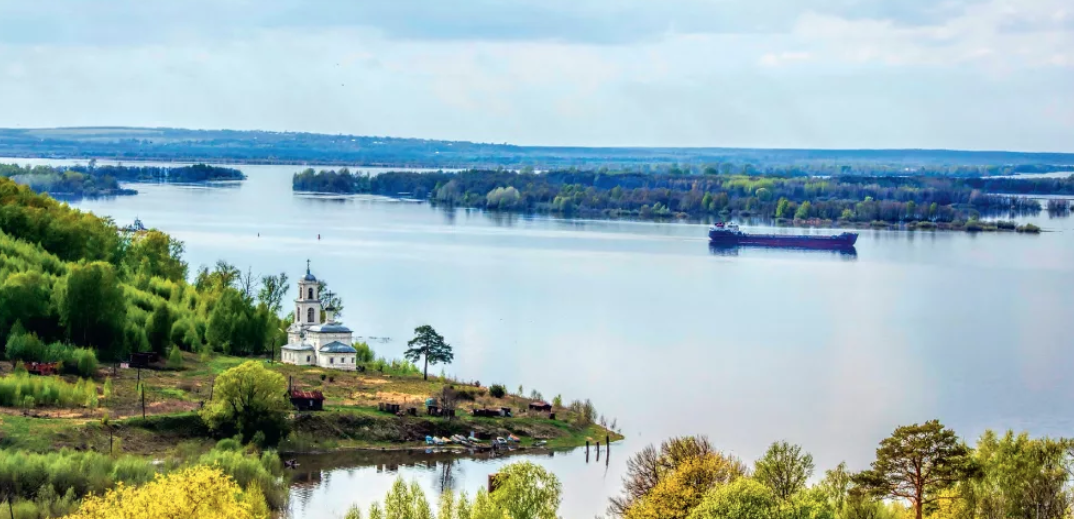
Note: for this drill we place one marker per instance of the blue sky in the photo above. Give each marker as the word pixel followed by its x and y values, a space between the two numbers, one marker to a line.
pixel 967 74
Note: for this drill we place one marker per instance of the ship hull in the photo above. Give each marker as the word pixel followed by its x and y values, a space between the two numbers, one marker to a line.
pixel 841 241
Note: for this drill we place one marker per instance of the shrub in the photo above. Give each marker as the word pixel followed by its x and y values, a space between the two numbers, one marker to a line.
pixel 1005 225
pixel 498 391
pixel 175 358
pixel 45 391
pixel 1029 228
pixel 81 361
pixel 194 493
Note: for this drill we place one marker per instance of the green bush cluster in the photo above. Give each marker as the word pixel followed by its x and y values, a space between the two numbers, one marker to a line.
pixel 27 347
pixel 22 390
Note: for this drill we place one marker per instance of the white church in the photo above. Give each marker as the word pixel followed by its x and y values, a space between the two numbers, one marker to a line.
pixel 311 342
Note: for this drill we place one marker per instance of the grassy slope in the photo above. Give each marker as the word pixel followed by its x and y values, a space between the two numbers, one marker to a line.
pixel 350 419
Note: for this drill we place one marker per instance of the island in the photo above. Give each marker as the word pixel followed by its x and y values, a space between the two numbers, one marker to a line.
pixel 908 202
pixel 92 181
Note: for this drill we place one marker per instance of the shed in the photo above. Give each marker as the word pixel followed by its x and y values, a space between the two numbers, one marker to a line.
pixel 307 400
pixel 388 407
pixel 42 368
pixel 143 359
pixel 541 406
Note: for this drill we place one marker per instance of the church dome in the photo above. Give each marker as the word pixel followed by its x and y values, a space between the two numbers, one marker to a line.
pixel 330 328
pixel 309 277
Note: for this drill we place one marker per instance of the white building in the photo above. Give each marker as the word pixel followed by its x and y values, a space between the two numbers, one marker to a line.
pixel 311 342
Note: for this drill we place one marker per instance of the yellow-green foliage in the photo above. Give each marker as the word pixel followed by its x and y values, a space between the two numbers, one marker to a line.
pixel 45 391
pixel 194 493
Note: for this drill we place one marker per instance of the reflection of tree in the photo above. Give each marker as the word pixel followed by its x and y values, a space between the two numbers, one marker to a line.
pixel 446 475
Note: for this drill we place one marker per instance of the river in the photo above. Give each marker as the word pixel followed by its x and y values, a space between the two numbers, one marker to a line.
pixel 829 351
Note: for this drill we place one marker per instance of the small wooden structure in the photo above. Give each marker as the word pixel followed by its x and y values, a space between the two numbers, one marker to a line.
pixel 143 359
pixel 388 407
pixel 541 406
pixel 499 412
pixel 434 410
pixel 42 368
pixel 307 400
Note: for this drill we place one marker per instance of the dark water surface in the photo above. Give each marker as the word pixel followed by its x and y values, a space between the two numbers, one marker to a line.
pixel 749 346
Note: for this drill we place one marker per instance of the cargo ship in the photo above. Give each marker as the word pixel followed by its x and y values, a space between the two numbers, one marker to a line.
pixel 729 234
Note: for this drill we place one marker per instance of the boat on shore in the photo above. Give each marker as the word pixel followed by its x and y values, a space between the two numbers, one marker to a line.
pixel 729 234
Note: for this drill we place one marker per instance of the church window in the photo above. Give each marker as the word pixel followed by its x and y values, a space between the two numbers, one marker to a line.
pixel 307 358
pixel 331 360
pixel 310 293
pixel 309 315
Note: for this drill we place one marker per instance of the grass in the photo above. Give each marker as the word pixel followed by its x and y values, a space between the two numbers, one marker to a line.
pixel 350 420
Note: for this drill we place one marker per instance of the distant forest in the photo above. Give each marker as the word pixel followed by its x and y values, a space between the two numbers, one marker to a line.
pixel 258 147
pixel 848 198
pixel 95 181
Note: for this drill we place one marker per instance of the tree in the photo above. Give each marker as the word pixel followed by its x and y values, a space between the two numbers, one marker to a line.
pixel 916 463
pixel 1020 477
pixel 781 207
pixel 527 491
pixel 681 490
pixel 92 306
pixel 784 469
pixel 156 254
pixel 330 299
pixel 651 465
pixel 200 492
pixel 246 399
pixel 430 345
pixel 743 498
pixel 273 290
pixel 804 211
pixel 158 329
pixel 836 485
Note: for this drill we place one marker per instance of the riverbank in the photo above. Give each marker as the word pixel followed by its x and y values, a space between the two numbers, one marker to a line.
pixel 350 419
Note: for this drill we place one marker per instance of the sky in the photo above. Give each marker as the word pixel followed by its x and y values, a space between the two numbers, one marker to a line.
pixel 961 74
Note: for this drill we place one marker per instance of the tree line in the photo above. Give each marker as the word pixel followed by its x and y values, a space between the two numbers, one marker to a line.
pixel 921 470
pixel 569 192
pixel 72 278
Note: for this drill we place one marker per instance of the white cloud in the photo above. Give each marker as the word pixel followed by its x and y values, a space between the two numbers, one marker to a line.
pixel 975 75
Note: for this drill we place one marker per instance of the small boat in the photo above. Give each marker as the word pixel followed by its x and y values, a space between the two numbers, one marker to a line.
pixel 458 438
pixel 500 440
pixel 438 441
pixel 428 440
pixel 541 443
pixel 291 464
pixel 513 438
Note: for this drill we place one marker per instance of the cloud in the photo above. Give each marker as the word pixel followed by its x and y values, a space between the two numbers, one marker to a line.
pixel 998 35
pixel 819 73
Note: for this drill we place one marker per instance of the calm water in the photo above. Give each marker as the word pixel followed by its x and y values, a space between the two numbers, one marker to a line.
pixel 820 349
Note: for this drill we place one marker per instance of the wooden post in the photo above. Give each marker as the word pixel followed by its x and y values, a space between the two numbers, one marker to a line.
pixel 587 451
pixel 143 403
pixel 212 385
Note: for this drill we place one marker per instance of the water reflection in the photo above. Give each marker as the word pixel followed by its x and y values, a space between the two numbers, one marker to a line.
pixel 849 253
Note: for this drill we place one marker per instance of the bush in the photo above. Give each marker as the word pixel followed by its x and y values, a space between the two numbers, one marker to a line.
pixel 82 362
pixel 498 391
pixel 1029 228
pixel 1005 225
pixel 175 358
pixel 45 391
